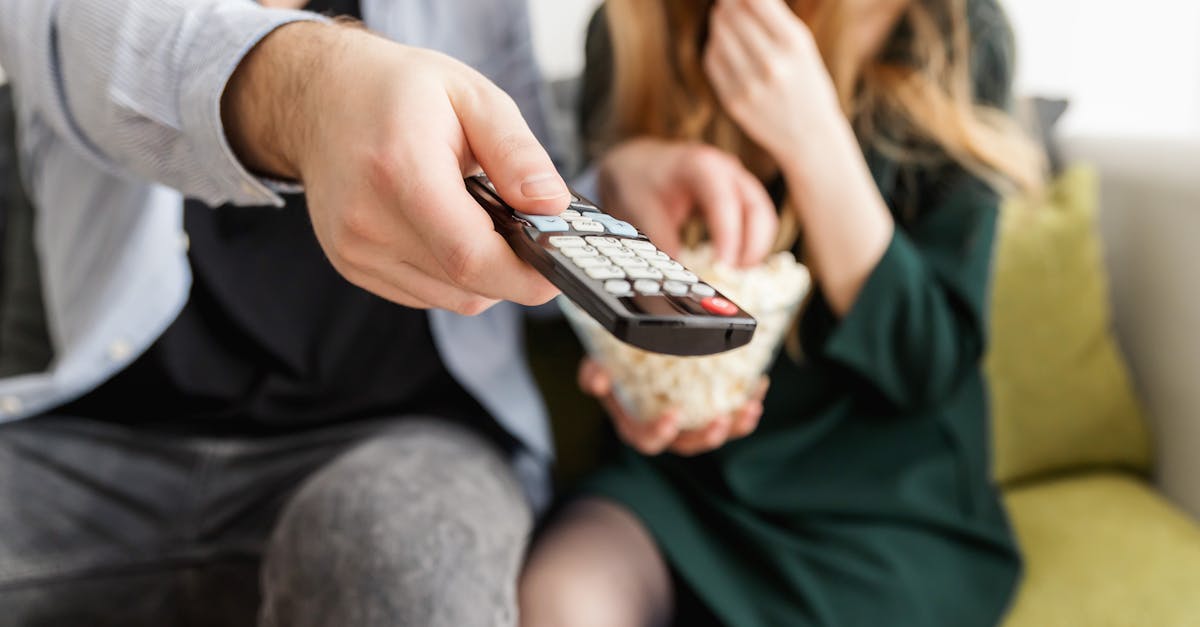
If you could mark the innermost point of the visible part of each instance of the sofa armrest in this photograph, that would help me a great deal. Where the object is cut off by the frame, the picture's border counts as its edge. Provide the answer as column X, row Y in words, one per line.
column 1150, row 222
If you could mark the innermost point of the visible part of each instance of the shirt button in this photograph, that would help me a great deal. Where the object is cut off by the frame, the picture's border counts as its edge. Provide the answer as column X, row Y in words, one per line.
column 185, row 242
column 10, row 405
column 119, row 350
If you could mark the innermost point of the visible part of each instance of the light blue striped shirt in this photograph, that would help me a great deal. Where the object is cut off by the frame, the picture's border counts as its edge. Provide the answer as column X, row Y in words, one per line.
column 119, row 113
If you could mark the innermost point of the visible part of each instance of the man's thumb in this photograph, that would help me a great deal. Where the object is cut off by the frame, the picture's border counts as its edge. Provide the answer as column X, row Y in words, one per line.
column 508, row 152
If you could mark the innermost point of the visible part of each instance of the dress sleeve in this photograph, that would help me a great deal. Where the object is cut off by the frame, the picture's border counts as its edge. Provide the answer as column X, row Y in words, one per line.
column 918, row 326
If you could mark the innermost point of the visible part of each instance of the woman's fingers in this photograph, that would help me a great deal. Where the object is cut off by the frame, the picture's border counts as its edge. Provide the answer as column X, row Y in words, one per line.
column 649, row 438
column 702, row 440
column 594, row 379
column 760, row 221
column 655, row 436
column 714, row 186
column 745, row 420
column 752, row 39
column 724, row 42
column 774, row 17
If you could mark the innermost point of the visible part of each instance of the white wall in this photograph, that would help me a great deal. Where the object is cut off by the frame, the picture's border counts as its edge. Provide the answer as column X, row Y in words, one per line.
column 1130, row 69
column 559, row 27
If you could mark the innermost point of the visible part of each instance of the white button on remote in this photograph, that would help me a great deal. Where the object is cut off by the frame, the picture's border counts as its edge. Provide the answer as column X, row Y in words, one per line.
column 682, row 275
column 667, row 265
column 601, row 273
column 675, row 288
column 614, row 252
column 602, row 241
column 617, row 286
column 645, row 286
column 579, row 251
column 570, row 214
column 563, row 241
column 637, row 244
column 644, row 273
column 654, row 255
column 591, row 262
column 703, row 291
column 587, row 226
column 631, row 262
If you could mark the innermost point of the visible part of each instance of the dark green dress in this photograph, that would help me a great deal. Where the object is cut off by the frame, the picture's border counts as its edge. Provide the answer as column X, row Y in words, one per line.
column 864, row 498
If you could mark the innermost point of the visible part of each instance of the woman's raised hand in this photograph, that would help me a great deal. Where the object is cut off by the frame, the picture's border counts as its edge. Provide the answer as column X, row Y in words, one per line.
column 767, row 71
column 652, row 437
column 660, row 185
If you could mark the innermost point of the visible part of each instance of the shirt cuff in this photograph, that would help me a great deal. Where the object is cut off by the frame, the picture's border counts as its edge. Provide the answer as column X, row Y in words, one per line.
column 227, row 39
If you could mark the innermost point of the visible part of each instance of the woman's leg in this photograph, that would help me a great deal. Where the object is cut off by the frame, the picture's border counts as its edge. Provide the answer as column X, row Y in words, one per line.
column 595, row 566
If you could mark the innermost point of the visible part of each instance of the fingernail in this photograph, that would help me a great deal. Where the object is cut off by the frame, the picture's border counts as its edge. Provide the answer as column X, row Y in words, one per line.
column 543, row 187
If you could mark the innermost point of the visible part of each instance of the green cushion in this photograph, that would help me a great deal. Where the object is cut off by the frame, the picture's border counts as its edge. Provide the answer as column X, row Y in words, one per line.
column 1103, row 550
column 1061, row 393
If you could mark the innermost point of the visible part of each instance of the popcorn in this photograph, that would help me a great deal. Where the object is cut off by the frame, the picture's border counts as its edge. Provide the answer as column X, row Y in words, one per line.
column 701, row 388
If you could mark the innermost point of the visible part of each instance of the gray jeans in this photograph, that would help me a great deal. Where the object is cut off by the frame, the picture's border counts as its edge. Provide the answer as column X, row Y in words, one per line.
column 402, row 522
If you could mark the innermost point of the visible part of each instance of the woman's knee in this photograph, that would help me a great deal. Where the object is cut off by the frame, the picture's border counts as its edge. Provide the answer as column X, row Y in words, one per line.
column 596, row 566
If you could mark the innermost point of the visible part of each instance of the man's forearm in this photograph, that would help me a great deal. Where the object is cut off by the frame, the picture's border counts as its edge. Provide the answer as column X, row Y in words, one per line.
column 268, row 104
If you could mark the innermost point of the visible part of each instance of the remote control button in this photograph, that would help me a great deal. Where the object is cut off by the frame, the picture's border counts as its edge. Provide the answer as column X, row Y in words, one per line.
column 601, row 273
column 644, row 273
column 656, row 255
column 675, row 288
column 546, row 224
column 667, row 265
column 587, row 226
column 617, row 286
column 682, row 275
column 645, row 286
column 630, row 262
column 591, row 262
column 617, row 253
column 639, row 244
column 570, row 214
column 617, row 227
column 563, row 241
column 602, row 241
column 579, row 251
column 719, row 306
column 622, row 228
column 703, row 291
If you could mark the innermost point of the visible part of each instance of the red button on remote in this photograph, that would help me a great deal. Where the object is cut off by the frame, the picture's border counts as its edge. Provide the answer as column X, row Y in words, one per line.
column 719, row 306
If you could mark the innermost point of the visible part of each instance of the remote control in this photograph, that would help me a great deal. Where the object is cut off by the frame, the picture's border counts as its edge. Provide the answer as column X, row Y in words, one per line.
column 615, row 274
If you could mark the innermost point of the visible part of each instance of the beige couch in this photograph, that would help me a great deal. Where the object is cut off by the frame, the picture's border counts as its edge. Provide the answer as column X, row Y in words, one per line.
column 1150, row 219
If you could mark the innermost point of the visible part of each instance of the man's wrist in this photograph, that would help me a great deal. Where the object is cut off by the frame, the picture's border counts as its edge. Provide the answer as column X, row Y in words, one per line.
column 268, row 104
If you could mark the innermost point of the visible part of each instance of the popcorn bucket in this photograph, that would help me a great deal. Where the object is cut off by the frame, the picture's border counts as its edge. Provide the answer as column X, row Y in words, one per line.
column 701, row 388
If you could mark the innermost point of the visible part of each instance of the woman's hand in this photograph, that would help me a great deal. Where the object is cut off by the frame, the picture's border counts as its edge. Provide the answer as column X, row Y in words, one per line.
column 663, row 433
column 768, row 73
column 660, row 185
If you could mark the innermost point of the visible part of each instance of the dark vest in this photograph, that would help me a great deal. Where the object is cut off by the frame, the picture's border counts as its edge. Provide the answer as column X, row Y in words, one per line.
column 273, row 338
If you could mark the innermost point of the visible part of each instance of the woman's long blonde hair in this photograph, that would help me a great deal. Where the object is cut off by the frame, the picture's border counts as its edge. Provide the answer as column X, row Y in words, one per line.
column 913, row 102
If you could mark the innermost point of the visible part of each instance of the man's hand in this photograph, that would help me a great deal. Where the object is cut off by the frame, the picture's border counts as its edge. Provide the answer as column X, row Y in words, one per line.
column 660, row 185
column 382, row 135
column 662, row 433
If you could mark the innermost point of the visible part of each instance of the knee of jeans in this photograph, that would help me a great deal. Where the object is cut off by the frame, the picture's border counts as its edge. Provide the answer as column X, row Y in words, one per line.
column 410, row 510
